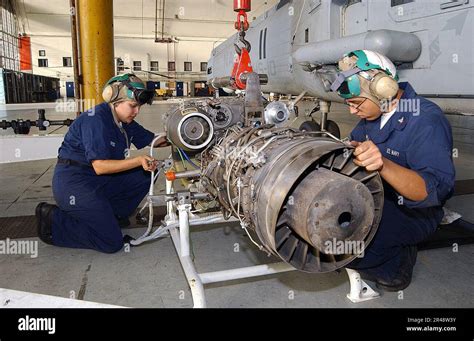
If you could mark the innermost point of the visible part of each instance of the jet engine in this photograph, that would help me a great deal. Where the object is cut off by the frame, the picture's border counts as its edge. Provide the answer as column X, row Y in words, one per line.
column 297, row 194
column 194, row 124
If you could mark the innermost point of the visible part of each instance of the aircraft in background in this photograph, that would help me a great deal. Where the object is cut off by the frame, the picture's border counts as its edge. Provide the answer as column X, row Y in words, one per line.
column 298, row 43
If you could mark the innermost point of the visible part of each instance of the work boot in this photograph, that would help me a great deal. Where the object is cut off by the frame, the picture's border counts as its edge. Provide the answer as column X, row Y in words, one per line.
column 44, row 215
column 127, row 240
column 123, row 222
column 403, row 278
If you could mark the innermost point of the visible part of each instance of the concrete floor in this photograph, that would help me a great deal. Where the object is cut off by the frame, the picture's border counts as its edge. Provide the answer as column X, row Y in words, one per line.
column 151, row 276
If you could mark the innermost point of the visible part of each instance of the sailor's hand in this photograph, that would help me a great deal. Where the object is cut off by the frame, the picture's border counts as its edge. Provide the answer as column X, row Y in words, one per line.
column 148, row 163
column 367, row 155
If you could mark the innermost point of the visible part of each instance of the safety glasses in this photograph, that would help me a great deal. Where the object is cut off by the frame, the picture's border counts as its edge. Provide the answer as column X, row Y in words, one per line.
column 141, row 96
column 354, row 106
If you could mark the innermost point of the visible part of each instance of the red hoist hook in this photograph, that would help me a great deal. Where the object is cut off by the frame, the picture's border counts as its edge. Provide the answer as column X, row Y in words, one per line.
column 242, row 7
column 242, row 63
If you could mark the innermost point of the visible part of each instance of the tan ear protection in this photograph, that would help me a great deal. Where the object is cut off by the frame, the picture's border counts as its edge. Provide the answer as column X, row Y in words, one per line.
column 383, row 86
column 113, row 87
column 111, row 92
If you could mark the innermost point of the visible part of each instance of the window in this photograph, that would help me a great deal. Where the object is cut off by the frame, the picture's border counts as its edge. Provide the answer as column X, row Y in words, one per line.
column 137, row 65
column 120, row 65
column 188, row 66
column 306, row 35
column 42, row 53
column 171, row 66
column 203, row 66
column 453, row 3
column 42, row 62
column 67, row 61
column 154, row 66
column 400, row 2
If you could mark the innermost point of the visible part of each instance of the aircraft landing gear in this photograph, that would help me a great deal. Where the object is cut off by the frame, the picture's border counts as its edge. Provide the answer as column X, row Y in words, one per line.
column 333, row 128
column 325, row 124
column 328, row 125
column 310, row 126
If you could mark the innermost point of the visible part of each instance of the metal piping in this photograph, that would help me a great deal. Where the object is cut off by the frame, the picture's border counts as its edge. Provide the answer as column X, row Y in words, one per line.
column 397, row 46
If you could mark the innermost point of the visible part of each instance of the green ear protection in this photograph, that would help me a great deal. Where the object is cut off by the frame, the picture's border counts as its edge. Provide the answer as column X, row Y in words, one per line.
column 383, row 85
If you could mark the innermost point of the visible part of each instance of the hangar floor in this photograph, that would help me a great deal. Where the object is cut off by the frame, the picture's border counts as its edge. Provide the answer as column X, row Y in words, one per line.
column 151, row 276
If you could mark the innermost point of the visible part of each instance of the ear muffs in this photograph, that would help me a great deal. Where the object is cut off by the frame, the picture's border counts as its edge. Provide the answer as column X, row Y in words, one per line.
column 112, row 88
column 383, row 86
column 111, row 92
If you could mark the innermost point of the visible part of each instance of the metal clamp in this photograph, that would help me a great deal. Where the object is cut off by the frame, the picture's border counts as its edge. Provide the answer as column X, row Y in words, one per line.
column 360, row 291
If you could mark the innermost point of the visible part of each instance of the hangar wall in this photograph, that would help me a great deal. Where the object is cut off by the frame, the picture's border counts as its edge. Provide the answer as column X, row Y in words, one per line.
column 197, row 30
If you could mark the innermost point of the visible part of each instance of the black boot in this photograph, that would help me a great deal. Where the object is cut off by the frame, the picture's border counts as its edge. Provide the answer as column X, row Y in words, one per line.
column 403, row 278
column 44, row 214
column 123, row 222
column 127, row 240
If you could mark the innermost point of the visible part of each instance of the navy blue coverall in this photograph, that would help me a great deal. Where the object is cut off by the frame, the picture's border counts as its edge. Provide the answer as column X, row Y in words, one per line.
column 418, row 137
column 89, row 204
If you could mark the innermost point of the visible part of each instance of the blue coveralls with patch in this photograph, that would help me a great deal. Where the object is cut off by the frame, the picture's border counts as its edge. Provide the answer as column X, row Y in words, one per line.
column 417, row 136
column 89, row 203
